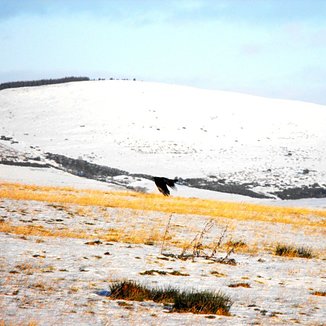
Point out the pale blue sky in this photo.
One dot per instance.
(273, 48)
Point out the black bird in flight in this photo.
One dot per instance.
(162, 183)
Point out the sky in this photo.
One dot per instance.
(271, 48)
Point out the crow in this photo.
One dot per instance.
(162, 183)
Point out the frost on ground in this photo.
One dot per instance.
(57, 277)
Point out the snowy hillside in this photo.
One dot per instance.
(209, 139)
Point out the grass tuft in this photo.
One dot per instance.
(291, 251)
(204, 302)
(130, 290)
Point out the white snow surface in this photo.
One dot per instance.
(50, 177)
(170, 130)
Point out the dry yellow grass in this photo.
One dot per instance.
(121, 235)
(153, 202)
(38, 230)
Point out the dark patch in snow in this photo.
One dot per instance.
(311, 191)
(26, 164)
(5, 138)
(83, 168)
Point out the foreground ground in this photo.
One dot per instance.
(61, 248)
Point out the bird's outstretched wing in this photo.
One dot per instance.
(162, 183)
(164, 190)
(171, 183)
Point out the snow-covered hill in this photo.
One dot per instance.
(222, 138)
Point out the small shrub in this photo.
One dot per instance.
(204, 302)
(128, 291)
(290, 251)
(133, 291)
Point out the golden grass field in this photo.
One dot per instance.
(156, 202)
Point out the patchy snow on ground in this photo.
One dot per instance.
(53, 280)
